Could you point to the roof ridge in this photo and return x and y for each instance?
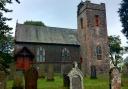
(46, 26)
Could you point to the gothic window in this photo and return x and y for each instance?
(97, 20)
(40, 57)
(65, 54)
(81, 23)
(99, 52)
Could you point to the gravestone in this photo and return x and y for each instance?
(31, 77)
(12, 71)
(115, 78)
(93, 72)
(50, 72)
(41, 70)
(2, 80)
(65, 70)
(18, 80)
(66, 81)
(76, 78)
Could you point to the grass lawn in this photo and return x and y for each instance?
(100, 83)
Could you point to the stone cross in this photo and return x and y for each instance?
(76, 77)
(75, 64)
(115, 78)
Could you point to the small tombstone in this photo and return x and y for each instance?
(93, 72)
(115, 78)
(2, 80)
(66, 80)
(31, 77)
(41, 70)
(18, 80)
(66, 69)
(76, 78)
(50, 72)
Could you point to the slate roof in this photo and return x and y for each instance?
(40, 34)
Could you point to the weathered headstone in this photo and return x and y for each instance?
(31, 77)
(50, 72)
(93, 72)
(65, 70)
(41, 70)
(115, 78)
(18, 80)
(66, 80)
(2, 80)
(76, 78)
(12, 71)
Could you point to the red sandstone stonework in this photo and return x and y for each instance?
(91, 35)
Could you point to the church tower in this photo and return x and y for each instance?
(93, 38)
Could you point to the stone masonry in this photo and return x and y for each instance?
(92, 32)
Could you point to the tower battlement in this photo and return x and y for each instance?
(88, 5)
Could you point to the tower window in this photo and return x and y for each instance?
(97, 20)
(40, 57)
(65, 54)
(99, 52)
(81, 23)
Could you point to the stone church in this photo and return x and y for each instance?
(60, 47)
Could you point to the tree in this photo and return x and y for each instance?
(123, 13)
(6, 40)
(115, 50)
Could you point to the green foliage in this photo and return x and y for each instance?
(115, 50)
(123, 13)
(5, 59)
(36, 23)
(126, 61)
(7, 44)
(6, 40)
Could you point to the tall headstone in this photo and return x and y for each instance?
(18, 80)
(93, 72)
(115, 78)
(66, 81)
(31, 77)
(41, 70)
(2, 80)
(76, 78)
(50, 72)
(66, 69)
(12, 71)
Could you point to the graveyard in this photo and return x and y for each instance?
(100, 83)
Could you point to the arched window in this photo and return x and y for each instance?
(65, 54)
(99, 52)
(40, 57)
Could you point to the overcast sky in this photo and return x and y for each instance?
(62, 13)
